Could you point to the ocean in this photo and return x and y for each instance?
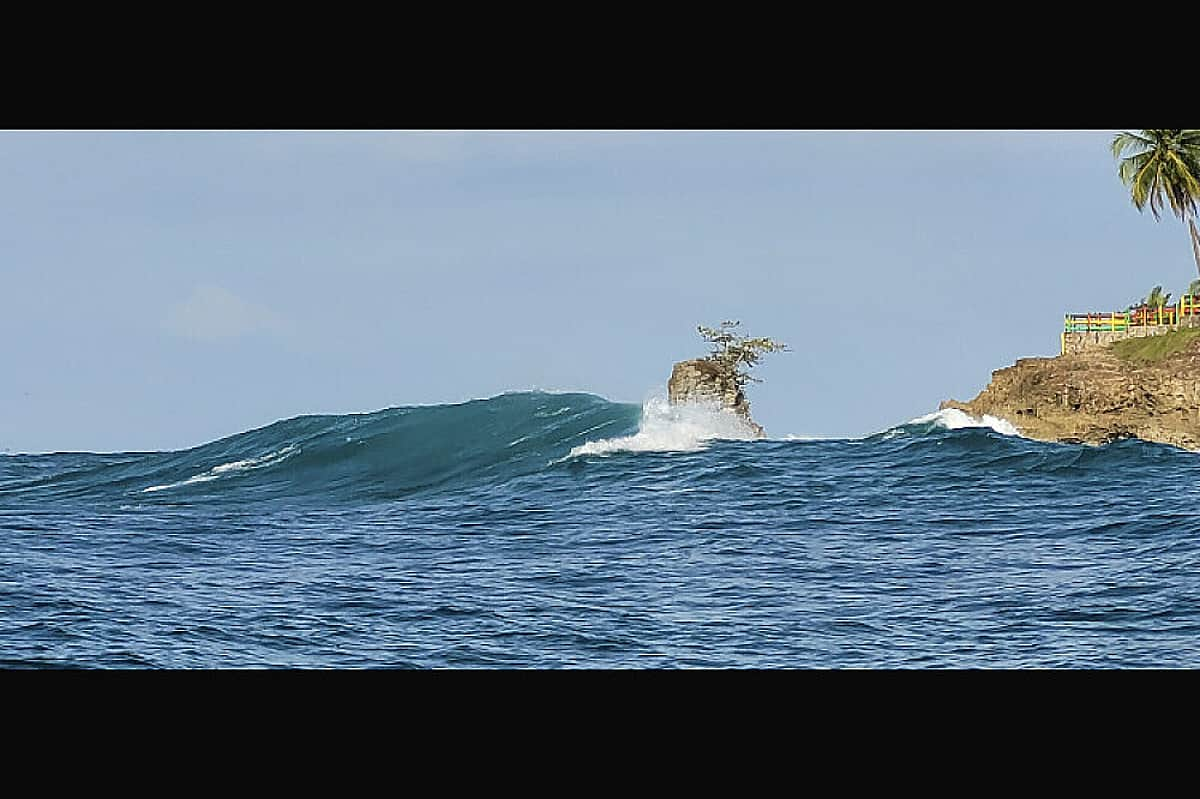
(561, 530)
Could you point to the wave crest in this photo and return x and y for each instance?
(954, 419)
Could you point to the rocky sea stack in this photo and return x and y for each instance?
(1143, 388)
(710, 380)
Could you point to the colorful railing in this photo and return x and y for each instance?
(1145, 316)
(1099, 322)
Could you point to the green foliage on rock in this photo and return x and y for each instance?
(736, 353)
(1155, 348)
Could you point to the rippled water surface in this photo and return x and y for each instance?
(562, 530)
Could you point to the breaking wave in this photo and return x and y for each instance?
(954, 419)
(389, 453)
(685, 427)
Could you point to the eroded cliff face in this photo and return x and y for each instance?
(706, 380)
(1097, 396)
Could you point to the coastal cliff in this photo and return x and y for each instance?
(1147, 389)
(707, 380)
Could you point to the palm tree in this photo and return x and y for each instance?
(1156, 297)
(1162, 164)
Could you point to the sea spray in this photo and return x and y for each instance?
(679, 427)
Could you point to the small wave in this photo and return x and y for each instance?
(954, 419)
(215, 472)
(666, 427)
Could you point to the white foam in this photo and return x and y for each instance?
(684, 427)
(954, 419)
(233, 466)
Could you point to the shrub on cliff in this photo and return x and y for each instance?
(735, 352)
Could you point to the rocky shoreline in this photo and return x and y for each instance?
(1097, 396)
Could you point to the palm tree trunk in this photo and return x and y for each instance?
(1195, 241)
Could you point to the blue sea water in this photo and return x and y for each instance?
(536, 530)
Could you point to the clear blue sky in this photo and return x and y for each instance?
(162, 289)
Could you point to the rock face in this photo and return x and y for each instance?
(706, 380)
(1097, 396)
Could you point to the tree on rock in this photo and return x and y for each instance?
(735, 352)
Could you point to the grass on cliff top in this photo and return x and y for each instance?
(1155, 348)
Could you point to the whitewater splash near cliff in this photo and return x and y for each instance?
(954, 419)
(946, 419)
(680, 427)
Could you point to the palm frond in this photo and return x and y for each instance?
(1131, 166)
(1130, 141)
(1161, 168)
(1143, 187)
